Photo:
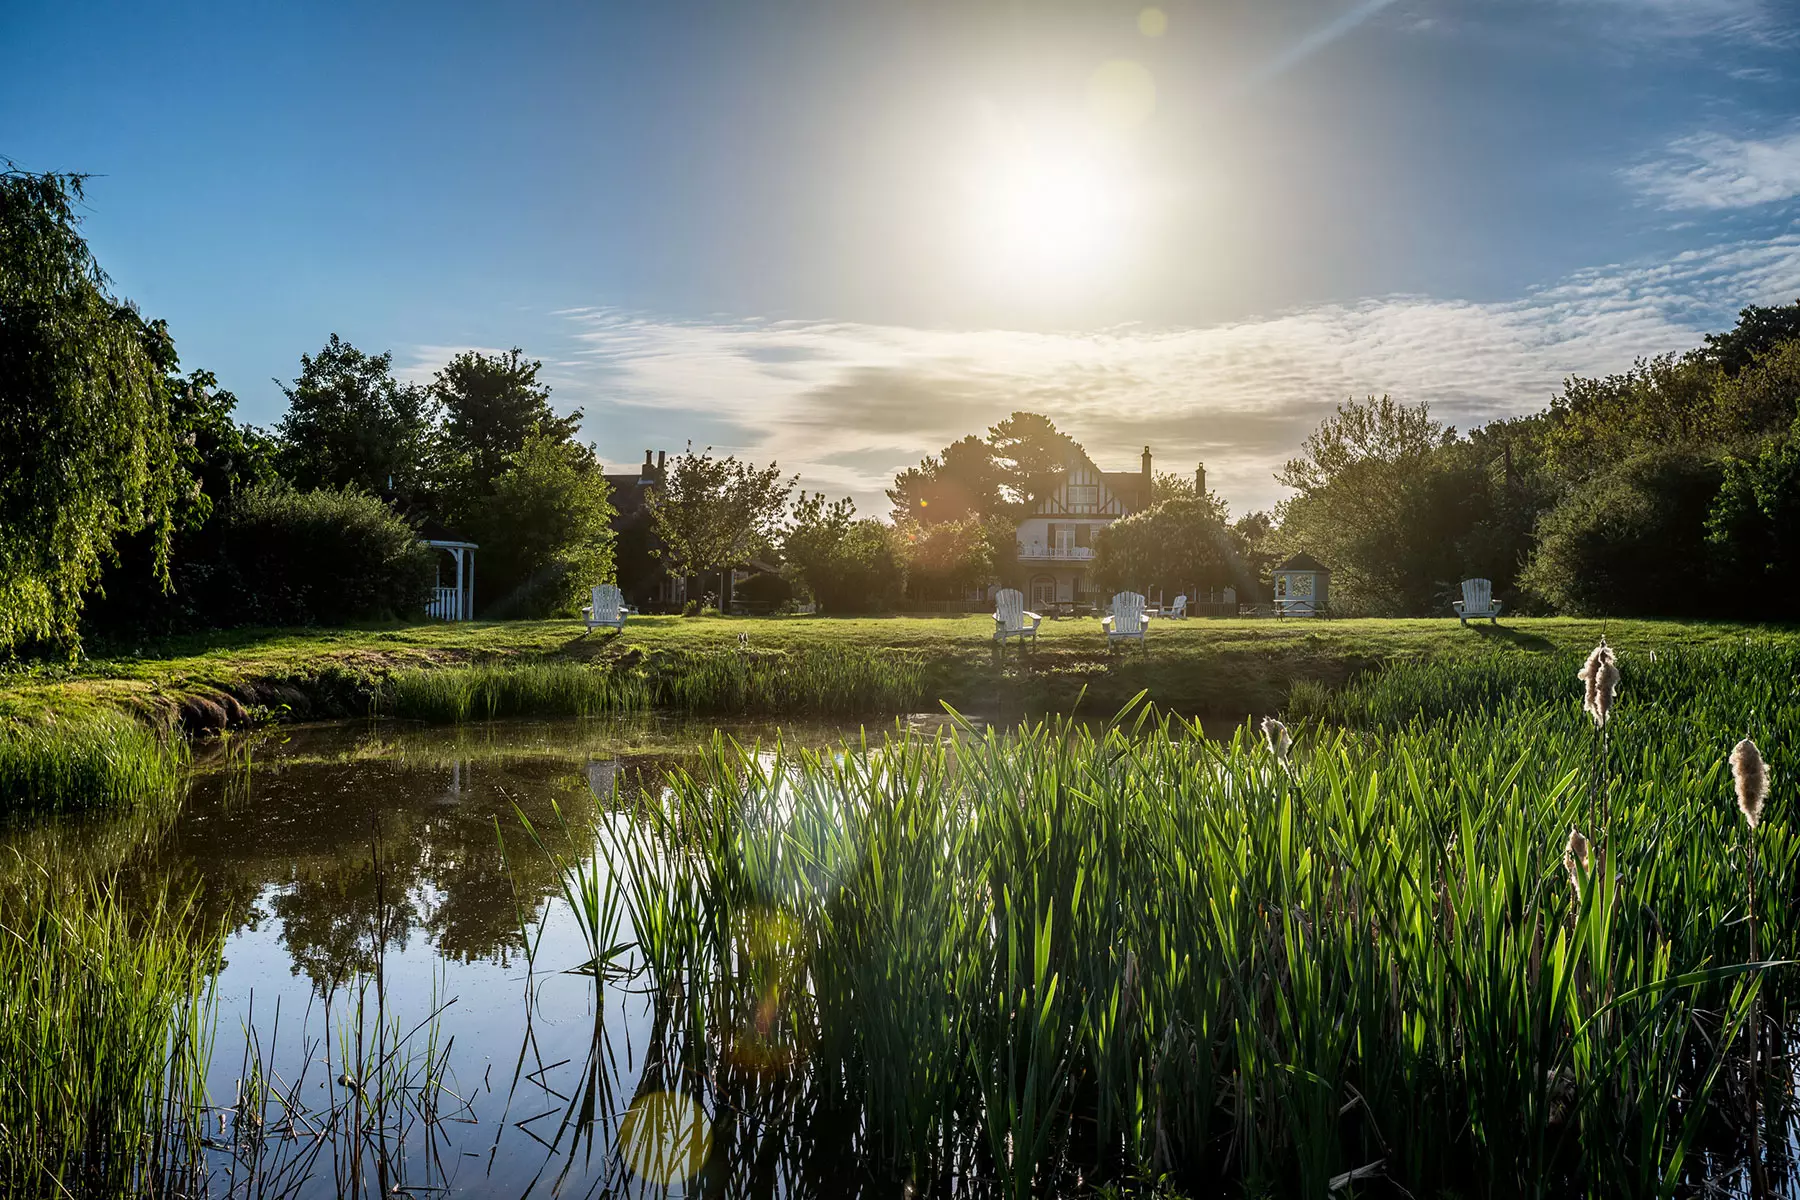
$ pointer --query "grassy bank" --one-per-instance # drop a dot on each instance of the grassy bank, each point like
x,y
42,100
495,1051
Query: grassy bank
x,y
1058,957
63,743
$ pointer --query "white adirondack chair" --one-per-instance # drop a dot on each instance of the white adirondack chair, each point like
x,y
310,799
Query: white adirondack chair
x,y
1128,619
1010,618
606,608
1178,610
1477,602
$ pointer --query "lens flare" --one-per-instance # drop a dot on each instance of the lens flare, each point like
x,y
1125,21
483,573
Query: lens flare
x,y
1153,22
1121,93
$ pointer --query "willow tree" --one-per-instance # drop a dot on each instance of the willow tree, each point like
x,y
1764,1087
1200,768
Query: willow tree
x,y
87,448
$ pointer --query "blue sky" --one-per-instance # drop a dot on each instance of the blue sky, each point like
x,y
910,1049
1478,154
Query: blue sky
x,y
842,234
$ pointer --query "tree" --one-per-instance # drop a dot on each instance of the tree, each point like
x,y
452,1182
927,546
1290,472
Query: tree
x,y
1759,329
1754,528
845,564
712,512
1031,453
945,559
1633,540
1174,545
1383,504
962,482
492,403
87,439
350,423
545,531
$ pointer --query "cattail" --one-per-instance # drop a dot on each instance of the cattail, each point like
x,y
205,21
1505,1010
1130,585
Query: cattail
x,y
1752,779
1577,857
1601,675
1276,734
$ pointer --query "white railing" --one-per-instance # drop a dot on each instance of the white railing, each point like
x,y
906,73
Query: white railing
x,y
1038,550
445,605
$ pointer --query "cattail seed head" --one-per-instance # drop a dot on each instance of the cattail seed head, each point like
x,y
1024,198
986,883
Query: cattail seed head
x,y
1601,676
1276,734
1752,779
1577,857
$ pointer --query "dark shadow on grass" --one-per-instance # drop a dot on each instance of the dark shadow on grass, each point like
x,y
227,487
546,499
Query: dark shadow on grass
x,y
1536,643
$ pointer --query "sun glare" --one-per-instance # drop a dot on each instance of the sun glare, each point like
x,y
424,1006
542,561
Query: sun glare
x,y
1052,210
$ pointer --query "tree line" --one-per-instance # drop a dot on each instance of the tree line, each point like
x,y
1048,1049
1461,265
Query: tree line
x,y
1669,489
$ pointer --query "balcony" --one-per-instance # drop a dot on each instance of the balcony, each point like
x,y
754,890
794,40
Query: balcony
x,y
1038,552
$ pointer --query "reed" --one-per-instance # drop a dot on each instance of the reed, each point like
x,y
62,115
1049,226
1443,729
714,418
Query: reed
x,y
1063,956
104,760
105,1019
829,679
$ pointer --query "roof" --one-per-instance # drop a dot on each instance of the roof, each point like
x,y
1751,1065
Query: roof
x,y
1128,486
628,493
1304,562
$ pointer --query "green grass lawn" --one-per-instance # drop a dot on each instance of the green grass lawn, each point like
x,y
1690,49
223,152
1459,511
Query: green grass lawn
x,y
1198,665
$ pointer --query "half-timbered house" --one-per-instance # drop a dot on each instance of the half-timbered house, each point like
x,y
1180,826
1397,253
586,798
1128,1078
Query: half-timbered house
x,y
1056,541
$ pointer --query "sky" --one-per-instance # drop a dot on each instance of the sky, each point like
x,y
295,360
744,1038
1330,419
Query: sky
x,y
842,233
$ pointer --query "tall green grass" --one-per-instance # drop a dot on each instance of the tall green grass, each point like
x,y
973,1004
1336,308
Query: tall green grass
x,y
106,760
820,680
1056,956
105,1023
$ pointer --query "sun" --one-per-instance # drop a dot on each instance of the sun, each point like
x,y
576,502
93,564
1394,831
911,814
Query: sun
x,y
1050,208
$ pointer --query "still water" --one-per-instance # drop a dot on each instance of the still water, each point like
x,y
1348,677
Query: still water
x,y
379,1027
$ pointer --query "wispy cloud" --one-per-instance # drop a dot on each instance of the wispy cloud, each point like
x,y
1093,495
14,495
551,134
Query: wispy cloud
x,y
848,404
1714,171
1737,20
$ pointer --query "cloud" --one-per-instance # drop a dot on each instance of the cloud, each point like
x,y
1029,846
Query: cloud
x,y
847,404
1734,20
1714,171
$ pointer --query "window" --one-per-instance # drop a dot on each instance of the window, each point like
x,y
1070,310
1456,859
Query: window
x,y
1083,495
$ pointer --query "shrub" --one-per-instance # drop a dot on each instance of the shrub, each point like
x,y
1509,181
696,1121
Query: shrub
x,y
1632,541
314,558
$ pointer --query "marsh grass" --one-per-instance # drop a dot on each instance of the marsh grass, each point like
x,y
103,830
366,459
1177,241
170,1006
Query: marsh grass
x,y
105,1019
828,679
1009,963
100,760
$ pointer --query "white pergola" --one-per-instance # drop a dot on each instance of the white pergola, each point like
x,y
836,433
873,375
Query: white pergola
x,y
457,602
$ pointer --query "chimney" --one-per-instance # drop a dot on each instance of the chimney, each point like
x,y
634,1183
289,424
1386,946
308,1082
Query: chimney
x,y
659,464
1147,476
1200,480
647,473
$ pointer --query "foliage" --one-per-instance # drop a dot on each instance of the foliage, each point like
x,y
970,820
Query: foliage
x,y
945,559
844,564
962,482
712,512
1633,541
545,531
88,447
1754,527
350,423
492,403
1176,546
1759,329
767,590
1019,462
1384,504
324,557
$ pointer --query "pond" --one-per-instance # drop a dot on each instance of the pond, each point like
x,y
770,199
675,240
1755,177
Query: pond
x,y
376,885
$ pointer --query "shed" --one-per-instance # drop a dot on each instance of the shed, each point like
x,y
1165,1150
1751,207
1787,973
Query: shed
x,y
1302,586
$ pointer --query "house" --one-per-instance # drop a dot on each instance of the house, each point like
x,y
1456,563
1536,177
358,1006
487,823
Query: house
x,y
647,584
1056,541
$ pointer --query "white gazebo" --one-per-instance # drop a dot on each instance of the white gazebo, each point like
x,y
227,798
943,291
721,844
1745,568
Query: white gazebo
x,y
456,602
